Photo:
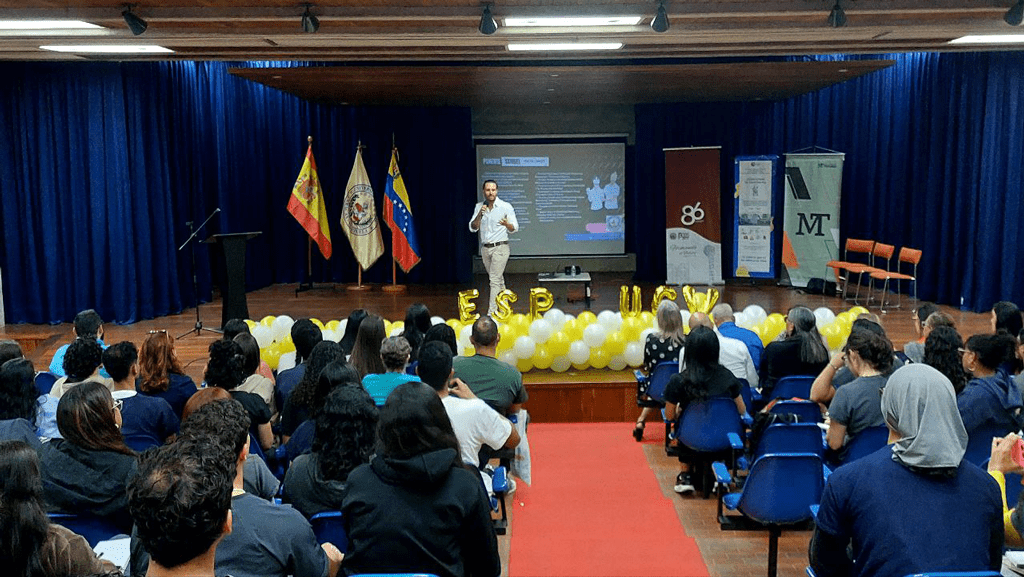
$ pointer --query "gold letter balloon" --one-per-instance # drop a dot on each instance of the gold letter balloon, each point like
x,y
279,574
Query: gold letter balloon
x,y
540,301
503,305
629,307
661,293
700,302
467,307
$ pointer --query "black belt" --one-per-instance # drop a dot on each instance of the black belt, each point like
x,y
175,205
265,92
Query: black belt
x,y
494,244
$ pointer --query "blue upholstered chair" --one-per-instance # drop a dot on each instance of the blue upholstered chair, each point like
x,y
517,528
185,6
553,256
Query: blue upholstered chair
x,y
94,529
806,411
793,386
329,527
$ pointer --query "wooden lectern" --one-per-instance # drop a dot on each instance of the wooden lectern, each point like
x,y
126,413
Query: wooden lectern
x,y
232,268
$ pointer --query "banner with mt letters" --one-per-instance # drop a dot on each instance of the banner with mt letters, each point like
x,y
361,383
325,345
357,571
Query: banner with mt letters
x,y
811,230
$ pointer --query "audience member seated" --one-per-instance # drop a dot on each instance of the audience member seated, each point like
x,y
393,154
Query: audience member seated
x,y
727,327
254,382
498,384
394,352
415,507
856,405
1007,318
417,323
181,502
266,539
256,476
915,349
662,345
345,435
943,351
235,327
145,421
87,325
305,335
702,377
917,505
733,354
334,375
225,371
836,374
161,374
29,544
365,357
348,340
937,319
475,423
999,464
801,352
86,472
19,402
9,350
991,398
82,362
304,399
445,334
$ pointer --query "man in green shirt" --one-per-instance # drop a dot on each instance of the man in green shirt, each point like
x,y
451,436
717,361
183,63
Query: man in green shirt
x,y
499,384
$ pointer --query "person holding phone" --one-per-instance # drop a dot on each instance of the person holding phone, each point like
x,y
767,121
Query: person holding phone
x,y
494,219
1008,457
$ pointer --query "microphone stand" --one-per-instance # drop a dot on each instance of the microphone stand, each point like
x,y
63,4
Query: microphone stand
x,y
198,328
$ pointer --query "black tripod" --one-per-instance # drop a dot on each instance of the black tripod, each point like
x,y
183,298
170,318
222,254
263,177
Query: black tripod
x,y
198,329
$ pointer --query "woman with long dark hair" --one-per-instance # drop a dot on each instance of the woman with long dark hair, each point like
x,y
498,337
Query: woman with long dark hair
x,y
30,545
225,371
415,507
19,402
702,378
943,351
417,323
161,374
855,406
254,382
801,352
348,340
87,471
345,433
366,352
334,375
307,395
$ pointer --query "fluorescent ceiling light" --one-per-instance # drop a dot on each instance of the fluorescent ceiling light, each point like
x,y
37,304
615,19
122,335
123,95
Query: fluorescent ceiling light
x,y
519,46
111,49
990,39
45,25
568,21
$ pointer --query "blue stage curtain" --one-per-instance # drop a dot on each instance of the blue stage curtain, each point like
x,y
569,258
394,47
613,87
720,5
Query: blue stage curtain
x,y
933,147
101,164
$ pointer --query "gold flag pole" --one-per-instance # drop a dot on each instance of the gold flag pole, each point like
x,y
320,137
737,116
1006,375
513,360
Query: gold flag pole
x,y
394,287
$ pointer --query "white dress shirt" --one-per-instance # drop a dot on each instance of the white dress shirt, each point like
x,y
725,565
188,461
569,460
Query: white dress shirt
x,y
734,356
490,230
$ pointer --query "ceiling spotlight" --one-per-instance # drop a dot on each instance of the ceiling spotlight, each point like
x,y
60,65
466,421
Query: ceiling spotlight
x,y
310,23
837,18
1015,15
487,24
136,24
660,22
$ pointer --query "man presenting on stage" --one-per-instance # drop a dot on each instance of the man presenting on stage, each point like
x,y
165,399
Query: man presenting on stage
x,y
494,219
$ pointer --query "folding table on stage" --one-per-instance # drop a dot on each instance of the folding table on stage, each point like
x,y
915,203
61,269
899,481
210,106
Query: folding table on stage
x,y
558,277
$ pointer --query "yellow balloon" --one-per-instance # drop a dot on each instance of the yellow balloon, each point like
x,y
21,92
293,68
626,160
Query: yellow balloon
x,y
318,323
542,357
833,334
503,304
250,323
272,355
632,327
629,307
661,293
845,321
333,325
858,310
520,324
599,357
287,345
581,366
387,328
455,325
400,325
468,351
614,344
541,301
647,319
585,318
559,343
507,337
524,365
573,329
467,306
267,320
700,302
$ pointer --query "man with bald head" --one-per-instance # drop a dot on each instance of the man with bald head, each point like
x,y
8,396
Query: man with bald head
x,y
499,384
733,354
727,328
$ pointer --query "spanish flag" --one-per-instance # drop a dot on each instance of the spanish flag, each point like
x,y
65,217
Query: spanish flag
x,y
359,216
398,217
307,204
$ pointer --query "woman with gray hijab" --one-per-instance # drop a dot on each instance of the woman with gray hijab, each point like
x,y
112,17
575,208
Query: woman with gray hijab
x,y
915,505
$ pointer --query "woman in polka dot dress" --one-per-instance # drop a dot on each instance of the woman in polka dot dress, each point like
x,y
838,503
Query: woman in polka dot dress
x,y
663,345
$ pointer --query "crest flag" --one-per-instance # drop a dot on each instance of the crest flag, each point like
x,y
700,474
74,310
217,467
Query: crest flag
x,y
359,216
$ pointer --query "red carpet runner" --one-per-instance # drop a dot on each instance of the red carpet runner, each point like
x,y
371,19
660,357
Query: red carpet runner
x,y
595,508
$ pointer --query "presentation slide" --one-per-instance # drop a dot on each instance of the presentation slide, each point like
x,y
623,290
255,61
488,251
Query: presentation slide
x,y
569,197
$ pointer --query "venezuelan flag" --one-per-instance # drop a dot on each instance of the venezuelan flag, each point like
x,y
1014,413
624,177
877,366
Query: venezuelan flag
x,y
398,217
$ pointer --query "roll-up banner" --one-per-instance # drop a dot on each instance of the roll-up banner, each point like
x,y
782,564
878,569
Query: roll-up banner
x,y
811,231
693,227
753,252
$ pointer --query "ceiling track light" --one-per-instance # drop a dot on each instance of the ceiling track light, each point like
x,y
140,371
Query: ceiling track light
x,y
1015,15
135,23
660,22
837,18
310,23
488,25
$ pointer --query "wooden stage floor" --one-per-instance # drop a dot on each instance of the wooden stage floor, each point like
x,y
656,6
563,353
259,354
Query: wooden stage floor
x,y
590,396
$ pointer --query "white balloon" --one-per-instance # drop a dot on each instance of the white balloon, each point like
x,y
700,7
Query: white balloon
x,y
608,320
740,318
643,337
569,317
556,318
465,333
524,347
634,354
436,321
334,335
286,362
685,315
541,330
263,335
594,336
617,363
755,313
396,332
579,352
342,327
508,357
823,316
561,364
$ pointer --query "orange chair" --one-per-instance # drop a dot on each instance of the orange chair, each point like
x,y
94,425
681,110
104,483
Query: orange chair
x,y
855,246
908,256
881,252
